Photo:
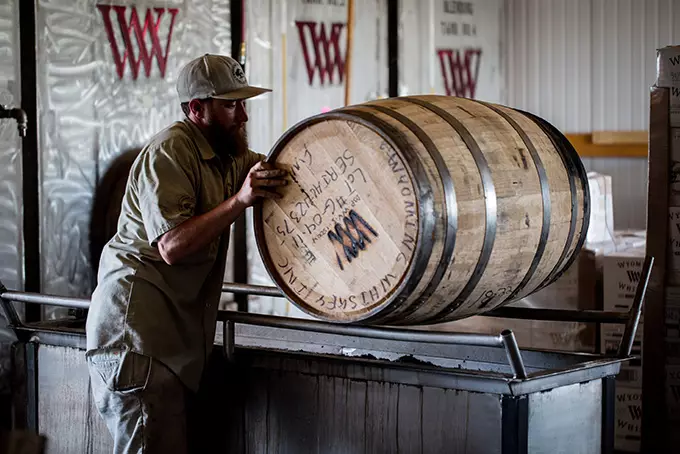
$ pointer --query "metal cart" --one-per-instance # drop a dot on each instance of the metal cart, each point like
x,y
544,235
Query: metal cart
x,y
276,384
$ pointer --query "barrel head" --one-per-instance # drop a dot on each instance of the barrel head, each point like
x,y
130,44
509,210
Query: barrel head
x,y
341,240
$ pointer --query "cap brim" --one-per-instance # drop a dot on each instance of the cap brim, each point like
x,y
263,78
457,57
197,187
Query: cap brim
x,y
243,93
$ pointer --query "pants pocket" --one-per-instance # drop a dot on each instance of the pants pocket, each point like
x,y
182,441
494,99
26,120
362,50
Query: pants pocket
x,y
121,370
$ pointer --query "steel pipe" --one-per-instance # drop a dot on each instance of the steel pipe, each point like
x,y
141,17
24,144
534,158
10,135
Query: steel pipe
x,y
559,315
635,312
395,334
248,289
46,300
514,356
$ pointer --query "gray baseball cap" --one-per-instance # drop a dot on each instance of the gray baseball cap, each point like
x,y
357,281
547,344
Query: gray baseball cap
x,y
214,76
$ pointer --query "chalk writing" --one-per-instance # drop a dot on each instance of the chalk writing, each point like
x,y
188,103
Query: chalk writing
x,y
351,176
284,231
302,289
305,159
344,161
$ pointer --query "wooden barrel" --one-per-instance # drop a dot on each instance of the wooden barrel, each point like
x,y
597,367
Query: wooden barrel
x,y
421,209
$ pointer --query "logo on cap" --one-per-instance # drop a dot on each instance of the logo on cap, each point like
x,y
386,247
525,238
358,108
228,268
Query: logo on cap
x,y
238,74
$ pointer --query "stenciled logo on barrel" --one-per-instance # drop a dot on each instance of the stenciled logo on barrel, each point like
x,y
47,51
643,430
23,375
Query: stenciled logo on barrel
x,y
352,238
343,235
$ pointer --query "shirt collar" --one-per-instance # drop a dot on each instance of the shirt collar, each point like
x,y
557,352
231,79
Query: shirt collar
x,y
204,147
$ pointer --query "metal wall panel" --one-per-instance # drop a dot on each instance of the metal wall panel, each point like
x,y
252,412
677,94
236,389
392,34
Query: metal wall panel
x,y
10,175
10,149
92,108
587,65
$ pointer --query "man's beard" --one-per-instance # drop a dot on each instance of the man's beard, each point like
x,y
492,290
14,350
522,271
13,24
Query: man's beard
x,y
232,143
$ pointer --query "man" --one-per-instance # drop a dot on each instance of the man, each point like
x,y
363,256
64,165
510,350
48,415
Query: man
x,y
152,320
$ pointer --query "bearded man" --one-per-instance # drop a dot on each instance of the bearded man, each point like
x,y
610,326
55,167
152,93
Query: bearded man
x,y
151,324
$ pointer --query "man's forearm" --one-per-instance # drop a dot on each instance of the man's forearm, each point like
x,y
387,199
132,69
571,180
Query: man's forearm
x,y
198,232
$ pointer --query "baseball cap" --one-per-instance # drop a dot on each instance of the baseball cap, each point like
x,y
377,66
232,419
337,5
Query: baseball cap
x,y
214,76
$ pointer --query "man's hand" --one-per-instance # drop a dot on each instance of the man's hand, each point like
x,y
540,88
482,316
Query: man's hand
x,y
261,180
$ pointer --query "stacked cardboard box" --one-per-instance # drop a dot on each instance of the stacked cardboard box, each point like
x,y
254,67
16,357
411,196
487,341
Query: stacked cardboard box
x,y
661,337
621,275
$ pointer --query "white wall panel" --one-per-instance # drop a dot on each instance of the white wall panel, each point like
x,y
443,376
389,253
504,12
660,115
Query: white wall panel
x,y
548,46
587,65
458,53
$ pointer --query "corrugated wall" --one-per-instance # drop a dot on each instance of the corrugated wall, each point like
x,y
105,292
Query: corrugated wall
x,y
587,65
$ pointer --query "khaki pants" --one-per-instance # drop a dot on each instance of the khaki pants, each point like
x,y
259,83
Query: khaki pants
x,y
143,404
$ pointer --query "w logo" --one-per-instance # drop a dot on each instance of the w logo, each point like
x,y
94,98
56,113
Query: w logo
x,y
635,412
460,72
150,27
634,276
326,49
352,238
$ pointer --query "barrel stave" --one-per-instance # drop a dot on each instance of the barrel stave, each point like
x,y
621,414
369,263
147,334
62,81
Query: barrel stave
x,y
501,210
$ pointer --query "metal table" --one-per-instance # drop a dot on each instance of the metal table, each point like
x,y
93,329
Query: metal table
x,y
276,384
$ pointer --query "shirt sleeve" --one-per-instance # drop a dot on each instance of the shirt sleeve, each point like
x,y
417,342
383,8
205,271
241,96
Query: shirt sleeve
x,y
250,159
167,187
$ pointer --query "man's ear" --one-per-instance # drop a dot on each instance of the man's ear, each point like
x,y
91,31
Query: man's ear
x,y
197,108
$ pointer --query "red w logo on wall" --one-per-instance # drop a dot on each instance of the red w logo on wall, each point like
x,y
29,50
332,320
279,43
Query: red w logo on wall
x,y
150,27
326,49
460,73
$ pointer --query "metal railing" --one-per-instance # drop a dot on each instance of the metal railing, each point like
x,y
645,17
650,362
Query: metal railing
x,y
505,340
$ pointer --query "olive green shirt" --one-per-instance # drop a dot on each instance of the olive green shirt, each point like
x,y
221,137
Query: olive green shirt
x,y
142,303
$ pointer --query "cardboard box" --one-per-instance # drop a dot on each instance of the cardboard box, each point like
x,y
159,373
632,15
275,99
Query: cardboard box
x,y
662,177
601,226
672,326
631,371
668,76
628,425
620,276
673,393
668,67
674,171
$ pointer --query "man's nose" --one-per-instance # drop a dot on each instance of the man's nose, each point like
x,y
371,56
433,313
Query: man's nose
x,y
242,115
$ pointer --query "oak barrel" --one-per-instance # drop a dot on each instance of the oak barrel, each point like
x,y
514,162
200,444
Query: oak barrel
x,y
420,210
